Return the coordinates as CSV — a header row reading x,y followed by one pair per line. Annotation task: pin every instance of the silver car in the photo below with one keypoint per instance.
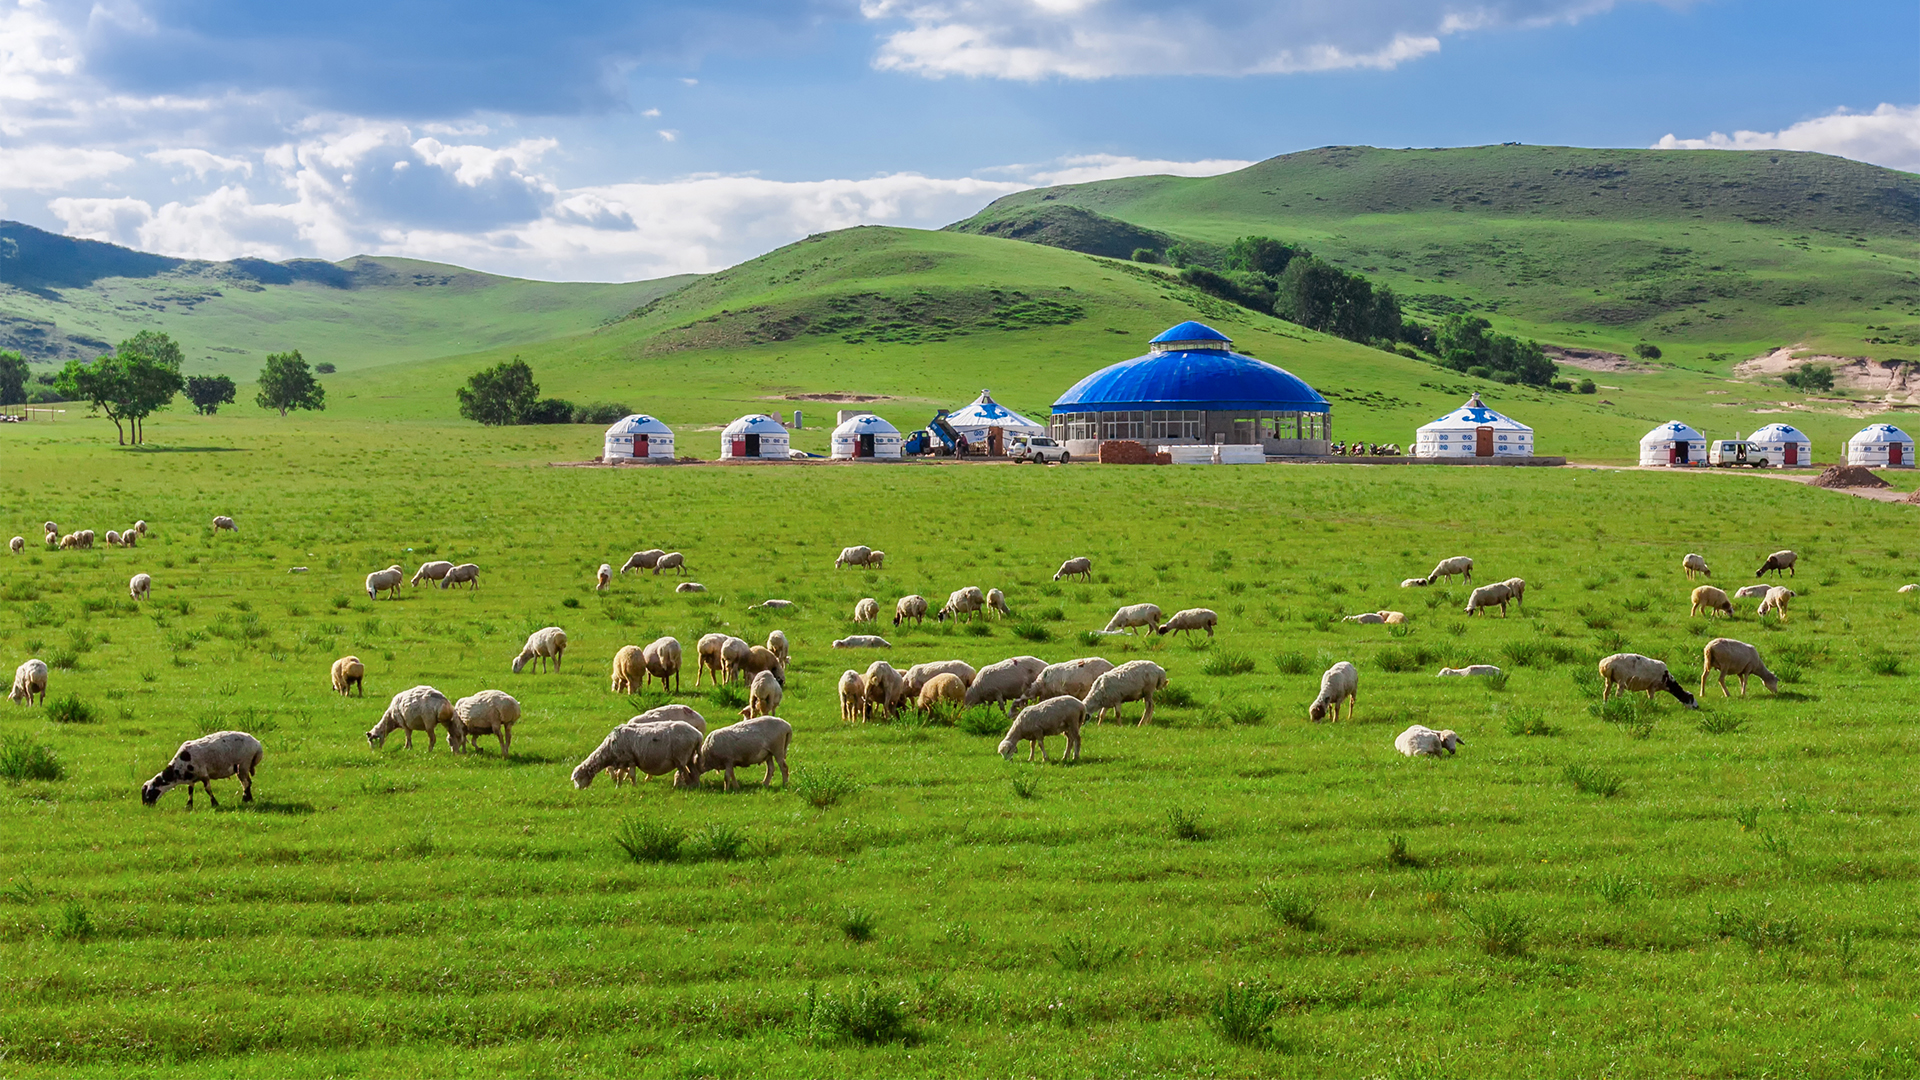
x,y
1038,448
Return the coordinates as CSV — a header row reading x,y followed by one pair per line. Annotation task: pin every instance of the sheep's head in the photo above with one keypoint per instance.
x,y
1770,681
376,737
1450,740
1679,692
1317,711
583,775
151,791
519,662
1007,746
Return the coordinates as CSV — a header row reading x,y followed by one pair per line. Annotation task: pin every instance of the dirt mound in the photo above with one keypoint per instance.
x,y
1913,498
1848,476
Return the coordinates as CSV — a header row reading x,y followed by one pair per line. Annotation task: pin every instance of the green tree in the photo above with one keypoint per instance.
x,y
209,392
502,394
151,377
1260,254
287,383
1647,352
101,383
13,378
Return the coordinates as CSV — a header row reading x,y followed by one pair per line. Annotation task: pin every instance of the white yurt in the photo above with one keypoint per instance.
x,y
1473,431
865,436
639,436
1783,445
980,421
1881,446
1673,443
755,435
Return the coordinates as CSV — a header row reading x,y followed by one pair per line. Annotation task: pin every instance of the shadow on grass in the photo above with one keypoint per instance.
x,y
268,806
185,449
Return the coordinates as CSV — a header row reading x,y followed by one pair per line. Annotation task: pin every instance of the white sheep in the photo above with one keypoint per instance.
x,y
1340,683
348,674
876,559
1366,618
642,560
662,659
1147,615
1075,677
430,571
17,545
205,759
960,602
1778,561
86,538
1694,564
421,708
603,577
29,678
885,688
760,658
1135,680
997,601
385,581
1901,589
733,657
140,527
1627,672
630,670
140,586
944,689
1517,588
763,696
1776,601
1002,682
547,643
1487,596
777,645
1748,592
467,574
672,560
1413,582
749,742
917,675
1710,599
686,714
867,610
1459,564
113,538
708,651
129,538
1469,671
1730,657
489,712
1422,741
653,748
1392,618
853,696
1191,619
296,569
1061,715
224,522
912,606
1080,567
624,774
862,641
853,556
689,586
50,527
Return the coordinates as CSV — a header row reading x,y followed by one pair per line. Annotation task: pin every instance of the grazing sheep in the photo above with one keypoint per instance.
x,y
760,658
886,688
421,708
140,527
385,581
296,569
749,742
1191,619
913,607
1710,599
49,527
1341,682
1730,657
1147,615
686,714
1469,670
1459,564
709,654
960,602
1422,741
777,645
733,655
1627,672
1776,601
689,586
86,538
224,522
205,759
997,601
547,643
853,696
1061,715
430,571
1075,677
128,538
1080,567
853,556
29,678
672,560
916,676
1488,595
1135,680
862,641
944,689
763,696
140,586
348,673
652,748
1778,561
662,659
876,559
17,545
467,574
867,610
69,542
630,670
1901,589
489,712
113,538
1002,682
1413,582
1517,587
642,560
1748,592
1694,564
603,577
1366,618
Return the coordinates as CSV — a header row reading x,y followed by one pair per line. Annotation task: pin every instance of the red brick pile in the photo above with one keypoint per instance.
x,y
1129,452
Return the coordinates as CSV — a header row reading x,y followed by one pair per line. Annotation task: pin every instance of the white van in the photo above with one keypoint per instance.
x,y
1735,453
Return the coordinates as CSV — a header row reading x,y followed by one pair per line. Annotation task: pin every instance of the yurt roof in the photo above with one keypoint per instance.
x,y
986,412
1779,433
865,424
1189,331
1210,378
1673,431
1474,414
755,424
1881,433
639,424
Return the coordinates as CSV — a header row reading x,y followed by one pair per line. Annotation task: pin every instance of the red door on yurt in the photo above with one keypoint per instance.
x,y
1893,452
739,446
1483,442
639,446
1793,454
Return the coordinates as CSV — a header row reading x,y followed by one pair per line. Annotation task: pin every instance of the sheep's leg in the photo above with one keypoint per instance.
x,y
246,786
1743,683
731,783
409,732
1146,715
1042,743
208,784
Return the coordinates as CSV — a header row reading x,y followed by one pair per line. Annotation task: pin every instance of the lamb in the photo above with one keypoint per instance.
x,y
1147,615
547,643
763,696
1061,715
960,602
709,654
1776,601
17,545
1366,618
1422,741
603,578
749,742
1191,619
1516,586
1627,672
1748,592
853,696
141,586
1488,595
348,673
1730,657
489,712
420,709
1778,561
29,678
997,601
1694,564
1135,680
862,641
1459,564
1341,682
642,560
1075,677
672,560
630,670
876,559
1470,670
867,610
1413,582
206,759
140,527
1080,567
431,571
944,689
385,581
917,675
652,748
885,688
913,606
224,522
853,556
1002,682
1709,599
777,645
689,586
662,659
467,574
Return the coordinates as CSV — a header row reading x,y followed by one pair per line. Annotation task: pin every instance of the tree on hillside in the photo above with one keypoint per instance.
x,y
209,392
139,377
502,394
287,383
13,378
1260,254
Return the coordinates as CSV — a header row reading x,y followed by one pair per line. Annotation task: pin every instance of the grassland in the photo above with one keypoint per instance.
x,y
1741,903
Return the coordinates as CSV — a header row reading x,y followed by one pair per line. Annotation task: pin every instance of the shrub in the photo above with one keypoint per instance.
x,y
1524,653
63,660
727,697
1245,714
1721,723
866,1015
1757,931
1173,697
822,787
1593,780
1812,378
1243,1014
599,412
649,841
1227,663
1397,853
1292,907
21,758
977,628
1615,888
1184,824
570,602
1588,386
1028,630
75,923
1503,930
857,923
1291,663
721,841
1748,817
71,710
1883,663
1091,637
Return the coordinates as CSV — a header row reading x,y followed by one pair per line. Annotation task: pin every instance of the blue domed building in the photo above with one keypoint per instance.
x,y
1190,388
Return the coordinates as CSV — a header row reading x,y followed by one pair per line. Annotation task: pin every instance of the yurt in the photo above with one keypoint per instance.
x,y
755,435
1473,431
1881,446
988,423
866,436
1673,443
639,437
1783,443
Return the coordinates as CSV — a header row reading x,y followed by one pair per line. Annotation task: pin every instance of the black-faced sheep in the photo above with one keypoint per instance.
x,y
208,758
467,574
421,708
1191,619
1422,741
749,742
1340,683
1710,599
1134,615
1080,567
651,748
1694,564
1730,657
1062,715
912,606
430,571
1778,561
543,645
385,581
349,674
1627,672
1135,680
489,712
29,679
1447,568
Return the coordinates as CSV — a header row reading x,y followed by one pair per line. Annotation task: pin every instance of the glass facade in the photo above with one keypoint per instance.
x,y
1191,425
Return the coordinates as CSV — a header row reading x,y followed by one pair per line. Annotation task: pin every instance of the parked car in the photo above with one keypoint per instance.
x,y
1037,448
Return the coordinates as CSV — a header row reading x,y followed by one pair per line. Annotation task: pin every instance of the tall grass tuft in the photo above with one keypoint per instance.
x,y
721,841
982,720
1502,929
1173,697
1227,663
649,841
1026,784
71,710
727,697
1086,954
1028,630
1291,663
1523,653
1593,780
1245,713
1397,853
1291,906
1527,720
1243,1014
857,923
821,786
21,758
868,1015
75,923
1184,824
1721,723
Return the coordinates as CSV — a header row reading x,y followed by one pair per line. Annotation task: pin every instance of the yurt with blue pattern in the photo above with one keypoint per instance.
x,y
1881,446
639,437
1473,431
1783,445
1674,443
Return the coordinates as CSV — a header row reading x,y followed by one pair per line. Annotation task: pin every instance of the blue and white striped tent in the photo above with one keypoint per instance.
x,y
974,420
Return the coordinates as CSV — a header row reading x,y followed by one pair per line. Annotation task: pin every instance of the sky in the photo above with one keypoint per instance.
x,y
593,140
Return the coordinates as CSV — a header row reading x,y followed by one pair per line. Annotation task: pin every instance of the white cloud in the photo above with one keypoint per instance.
x,y
201,162
472,164
1889,136
45,168
668,135
651,114
1086,168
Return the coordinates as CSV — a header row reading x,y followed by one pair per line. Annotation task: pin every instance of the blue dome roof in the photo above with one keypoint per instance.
x,y
1189,331
1213,379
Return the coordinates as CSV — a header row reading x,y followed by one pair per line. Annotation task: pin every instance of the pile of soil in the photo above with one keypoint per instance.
x,y
1913,498
1849,476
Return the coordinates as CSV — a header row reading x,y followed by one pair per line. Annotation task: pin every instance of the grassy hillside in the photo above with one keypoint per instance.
x,y
1697,251
62,298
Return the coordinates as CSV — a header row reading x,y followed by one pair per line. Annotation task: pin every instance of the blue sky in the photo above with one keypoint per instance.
x,y
585,140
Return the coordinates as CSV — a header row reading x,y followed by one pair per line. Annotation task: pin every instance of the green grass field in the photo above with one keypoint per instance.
x,y
1231,891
